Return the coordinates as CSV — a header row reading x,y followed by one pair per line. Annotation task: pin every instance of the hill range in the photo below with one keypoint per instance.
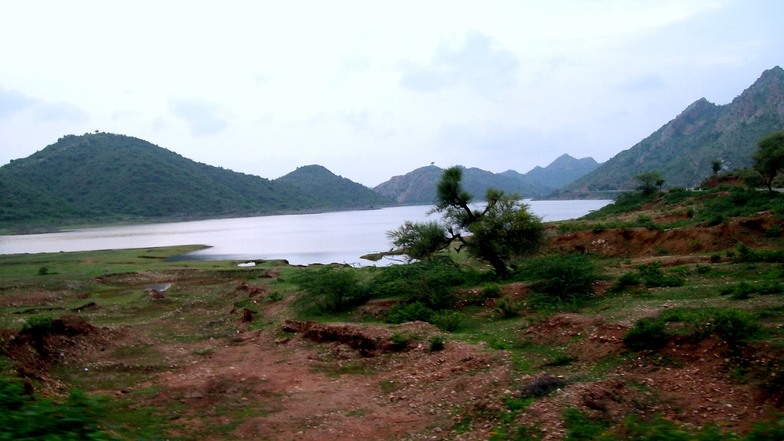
x,y
103,177
683,150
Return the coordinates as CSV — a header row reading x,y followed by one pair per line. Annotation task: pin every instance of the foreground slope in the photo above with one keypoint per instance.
x,y
683,150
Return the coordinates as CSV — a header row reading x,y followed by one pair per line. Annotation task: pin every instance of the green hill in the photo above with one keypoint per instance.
x,y
327,190
105,177
683,150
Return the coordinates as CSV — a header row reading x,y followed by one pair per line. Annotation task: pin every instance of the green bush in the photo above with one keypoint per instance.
x,y
581,428
746,254
647,334
27,417
561,281
735,326
448,321
625,281
653,277
409,312
436,344
431,283
329,290
508,308
400,341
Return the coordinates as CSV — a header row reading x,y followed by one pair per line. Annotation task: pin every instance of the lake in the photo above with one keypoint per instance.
x,y
301,239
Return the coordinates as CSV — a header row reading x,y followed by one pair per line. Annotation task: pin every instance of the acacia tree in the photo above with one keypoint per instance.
x,y
650,183
769,158
500,231
716,166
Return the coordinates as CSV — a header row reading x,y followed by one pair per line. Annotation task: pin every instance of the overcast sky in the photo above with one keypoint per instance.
x,y
373,89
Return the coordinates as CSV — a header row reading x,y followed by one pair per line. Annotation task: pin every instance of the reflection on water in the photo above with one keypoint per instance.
x,y
301,239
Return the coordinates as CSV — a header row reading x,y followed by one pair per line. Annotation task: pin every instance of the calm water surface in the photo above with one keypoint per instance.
x,y
301,239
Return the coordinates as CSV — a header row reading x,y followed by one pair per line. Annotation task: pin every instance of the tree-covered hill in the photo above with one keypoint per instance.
x,y
107,177
684,149
327,190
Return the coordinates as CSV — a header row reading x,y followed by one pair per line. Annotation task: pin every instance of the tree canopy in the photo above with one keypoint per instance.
x,y
500,231
769,157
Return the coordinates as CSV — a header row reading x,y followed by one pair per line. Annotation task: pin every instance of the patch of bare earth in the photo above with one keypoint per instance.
x,y
689,382
642,242
339,381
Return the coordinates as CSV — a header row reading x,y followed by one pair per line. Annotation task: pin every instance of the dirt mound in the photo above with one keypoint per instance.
x,y
643,242
368,341
41,344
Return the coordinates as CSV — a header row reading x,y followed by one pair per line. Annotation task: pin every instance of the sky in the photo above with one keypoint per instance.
x,y
374,89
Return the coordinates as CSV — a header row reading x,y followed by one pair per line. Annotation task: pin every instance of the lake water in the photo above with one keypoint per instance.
x,y
301,239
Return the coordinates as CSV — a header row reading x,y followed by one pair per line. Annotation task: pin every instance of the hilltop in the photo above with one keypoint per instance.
x,y
683,150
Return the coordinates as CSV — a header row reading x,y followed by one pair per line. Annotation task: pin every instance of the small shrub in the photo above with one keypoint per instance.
x,y
625,281
409,312
561,360
736,326
647,334
542,386
436,344
746,254
491,291
28,417
329,290
715,258
275,296
653,277
562,281
42,271
448,321
773,232
399,341
579,427
507,308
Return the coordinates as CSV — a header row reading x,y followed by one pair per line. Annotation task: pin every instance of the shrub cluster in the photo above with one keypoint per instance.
x,y
329,290
746,254
732,325
560,281
745,290
28,417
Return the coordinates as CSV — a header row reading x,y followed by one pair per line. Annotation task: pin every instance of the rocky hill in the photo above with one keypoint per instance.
x,y
419,186
683,150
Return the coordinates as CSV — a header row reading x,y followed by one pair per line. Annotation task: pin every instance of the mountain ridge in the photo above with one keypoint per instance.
x,y
419,186
684,148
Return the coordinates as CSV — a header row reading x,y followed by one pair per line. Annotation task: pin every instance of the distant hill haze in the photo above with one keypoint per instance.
x,y
683,150
419,186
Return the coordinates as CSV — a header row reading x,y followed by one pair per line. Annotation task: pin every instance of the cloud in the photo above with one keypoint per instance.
x,y
13,101
478,63
60,112
202,116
